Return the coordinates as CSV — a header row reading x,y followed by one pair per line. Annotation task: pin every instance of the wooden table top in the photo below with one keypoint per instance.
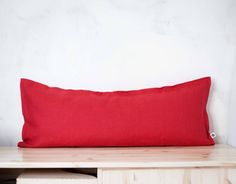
x,y
119,157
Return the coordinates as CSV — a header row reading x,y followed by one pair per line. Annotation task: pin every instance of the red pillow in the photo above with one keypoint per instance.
x,y
167,116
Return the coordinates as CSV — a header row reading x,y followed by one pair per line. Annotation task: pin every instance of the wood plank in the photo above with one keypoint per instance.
x,y
121,157
54,176
170,176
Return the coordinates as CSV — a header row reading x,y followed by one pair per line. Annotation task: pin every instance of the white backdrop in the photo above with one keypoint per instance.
x,y
118,45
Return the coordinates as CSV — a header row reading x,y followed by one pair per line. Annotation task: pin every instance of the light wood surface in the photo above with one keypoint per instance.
x,y
54,176
123,157
170,176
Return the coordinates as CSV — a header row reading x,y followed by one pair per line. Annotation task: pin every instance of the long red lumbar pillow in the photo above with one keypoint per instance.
x,y
167,116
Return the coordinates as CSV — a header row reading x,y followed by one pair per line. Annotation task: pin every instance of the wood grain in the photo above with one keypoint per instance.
x,y
170,176
122,157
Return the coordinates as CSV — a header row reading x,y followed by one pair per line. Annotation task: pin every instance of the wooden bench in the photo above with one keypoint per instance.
x,y
133,165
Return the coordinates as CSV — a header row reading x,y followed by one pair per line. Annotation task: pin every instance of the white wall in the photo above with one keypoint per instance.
x,y
117,44
232,111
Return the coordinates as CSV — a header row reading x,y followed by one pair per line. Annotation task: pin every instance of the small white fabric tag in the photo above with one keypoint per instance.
x,y
213,135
